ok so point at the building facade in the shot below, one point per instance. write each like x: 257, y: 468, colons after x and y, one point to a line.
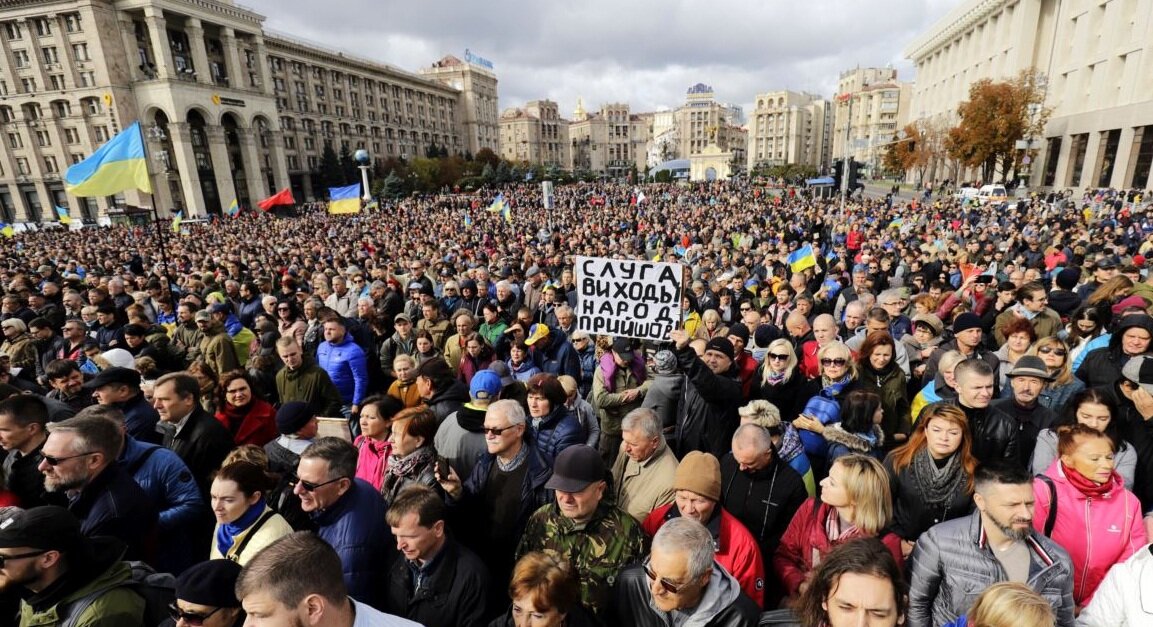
x: 477, y: 84
x: 789, y: 127
x: 535, y: 134
x: 702, y: 121
x: 1093, y: 58
x: 230, y: 111
x: 870, y: 107
x: 611, y: 142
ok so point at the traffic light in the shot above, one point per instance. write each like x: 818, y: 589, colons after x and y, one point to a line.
x: 854, y: 174
x: 837, y: 170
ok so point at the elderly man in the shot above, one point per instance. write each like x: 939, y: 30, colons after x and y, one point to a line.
x: 455, y: 345
x: 698, y: 489
x: 1027, y: 379
x: 681, y: 581
x: 582, y: 526
x: 644, y: 468
x: 708, y: 416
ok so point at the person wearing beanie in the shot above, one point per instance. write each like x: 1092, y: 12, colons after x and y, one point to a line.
x: 707, y: 417
x: 697, y: 486
x: 743, y: 360
x: 968, y: 336
x: 297, y: 426
x: 1062, y: 298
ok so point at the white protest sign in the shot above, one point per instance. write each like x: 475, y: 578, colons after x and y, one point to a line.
x: 637, y: 299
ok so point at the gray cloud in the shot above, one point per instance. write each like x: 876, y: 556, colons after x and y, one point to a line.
x: 644, y: 52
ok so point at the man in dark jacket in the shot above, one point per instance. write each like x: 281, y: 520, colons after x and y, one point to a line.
x: 711, y: 596
x: 439, y: 388
x: 434, y: 580
x: 302, y: 380
x: 1132, y: 395
x: 120, y: 388
x: 968, y: 336
x: 1027, y: 378
x: 80, y: 460
x: 23, y: 420
x: 708, y: 416
x: 67, y: 384
x: 195, y: 435
x: 995, y: 433
x: 551, y: 351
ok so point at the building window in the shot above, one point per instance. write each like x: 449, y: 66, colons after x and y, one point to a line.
x: 50, y: 164
x: 72, y: 23
x: 50, y: 55
x: 80, y: 52
x: 14, y: 140
x: 290, y: 142
x: 87, y: 79
x: 101, y: 133
x: 77, y: 157
x: 43, y: 27
x: 57, y: 82
x: 20, y: 58
x: 22, y: 166
x: 43, y: 139
x: 92, y: 106
x: 12, y: 30
x: 29, y: 85
x: 72, y: 136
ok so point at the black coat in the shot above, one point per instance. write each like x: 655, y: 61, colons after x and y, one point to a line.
x: 1102, y: 366
x: 708, y: 414
x: 27, y: 482
x: 764, y: 501
x: 632, y: 605
x: 203, y: 444
x: 454, y: 594
x: 912, y: 515
x: 1139, y: 432
x: 786, y: 397
x: 996, y: 435
x: 113, y: 504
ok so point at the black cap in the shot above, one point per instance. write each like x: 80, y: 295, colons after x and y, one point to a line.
x: 49, y: 528
x: 292, y: 416
x: 740, y: 330
x: 623, y: 347
x: 722, y: 345
x: 576, y: 468
x: 211, y: 583
x: 114, y: 375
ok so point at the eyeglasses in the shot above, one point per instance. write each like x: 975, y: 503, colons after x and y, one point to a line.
x: 746, y: 308
x: 668, y: 586
x: 313, y: 487
x: 838, y: 361
x: 56, y: 461
x: 496, y: 430
x: 4, y: 558
x: 1060, y: 352
x: 190, y: 618
x: 778, y: 357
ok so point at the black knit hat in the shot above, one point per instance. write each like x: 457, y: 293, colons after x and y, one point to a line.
x: 292, y: 416
x: 211, y: 583
x: 721, y: 345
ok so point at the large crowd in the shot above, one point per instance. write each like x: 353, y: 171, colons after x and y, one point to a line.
x: 921, y: 411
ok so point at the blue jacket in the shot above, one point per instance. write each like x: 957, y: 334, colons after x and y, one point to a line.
x: 354, y: 525
x: 169, y: 484
x: 556, y: 432
x: 523, y: 372
x: 559, y: 358
x: 140, y: 418
x: 347, y: 367
x: 248, y: 311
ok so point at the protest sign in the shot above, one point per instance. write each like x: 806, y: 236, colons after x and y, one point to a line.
x: 637, y: 299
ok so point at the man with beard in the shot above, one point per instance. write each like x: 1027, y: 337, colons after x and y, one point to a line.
x: 67, y: 384
x: 995, y: 543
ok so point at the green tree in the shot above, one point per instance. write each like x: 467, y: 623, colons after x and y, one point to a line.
x: 487, y: 156
x: 392, y: 186
x: 349, y: 172
x: 328, y: 172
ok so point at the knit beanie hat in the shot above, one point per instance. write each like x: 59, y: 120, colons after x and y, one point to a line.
x: 1067, y: 279
x: 966, y: 321
x: 292, y: 416
x: 699, y: 473
x: 721, y: 345
x: 665, y: 362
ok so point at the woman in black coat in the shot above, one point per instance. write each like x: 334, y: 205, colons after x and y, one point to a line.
x: 778, y: 380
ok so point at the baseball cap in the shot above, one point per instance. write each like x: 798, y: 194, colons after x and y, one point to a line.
x: 623, y: 347
x: 576, y: 468
x: 501, y: 370
x: 48, y: 528
x: 536, y: 333
x: 485, y: 385
x: 1139, y: 370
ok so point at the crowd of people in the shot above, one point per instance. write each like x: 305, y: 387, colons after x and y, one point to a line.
x: 925, y: 412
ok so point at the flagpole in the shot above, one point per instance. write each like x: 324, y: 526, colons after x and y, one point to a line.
x: 156, y: 133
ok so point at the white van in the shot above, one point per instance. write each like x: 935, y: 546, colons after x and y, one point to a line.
x: 994, y: 194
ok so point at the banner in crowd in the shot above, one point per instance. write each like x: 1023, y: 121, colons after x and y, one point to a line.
x: 344, y: 199
x: 637, y: 299
x: 116, y: 166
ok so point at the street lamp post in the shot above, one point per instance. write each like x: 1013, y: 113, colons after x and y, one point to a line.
x: 362, y: 158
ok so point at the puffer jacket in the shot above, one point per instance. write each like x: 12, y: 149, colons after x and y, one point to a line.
x: 707, y: 416
x: 352, y: 525
x: 1125, y: 597
x: 165, y: 478
x: 1097, y: 533
x: 953, y: 564
x: 347, y: 367
x: 557, y: 431
x: 1102, y: 366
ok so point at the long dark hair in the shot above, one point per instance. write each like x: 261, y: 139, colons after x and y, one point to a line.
x: 863, y: 556
x: 1068, y: 417
x: 858, y: 409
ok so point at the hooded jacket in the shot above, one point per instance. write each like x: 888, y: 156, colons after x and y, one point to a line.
x: 217, y: 349
x: 1125, y: 597
x: 447, y: 399
x: 722, y: 605
x: 1102, y: 366
x: 117, y: 606
x: 460, y: 438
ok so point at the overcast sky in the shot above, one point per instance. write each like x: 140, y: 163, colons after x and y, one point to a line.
x: 643, y: 52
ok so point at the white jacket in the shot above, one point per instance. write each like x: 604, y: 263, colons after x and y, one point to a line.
x: 1125, y: 596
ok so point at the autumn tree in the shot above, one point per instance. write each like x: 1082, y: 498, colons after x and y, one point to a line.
x: 993, y: 119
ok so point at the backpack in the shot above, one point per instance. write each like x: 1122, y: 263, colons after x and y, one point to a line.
x: 157, y: 589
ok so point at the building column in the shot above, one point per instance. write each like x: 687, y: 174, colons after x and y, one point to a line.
x: 237, y: 76
x: 279, y: 159
x: 158, y: 36
x: 185, y: 161
x: 1063, y: 161
x: 195, y: 31
x: 1092, y: 151
x: 131, y: 48
x: 263, y: 74
x: 249, y: 151
x: 1123, y: 160
x: 219, y: 150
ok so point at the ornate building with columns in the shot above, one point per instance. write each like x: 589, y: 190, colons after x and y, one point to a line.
x: 229, y: 109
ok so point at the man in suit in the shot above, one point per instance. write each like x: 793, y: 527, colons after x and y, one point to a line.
x: 198, y: 438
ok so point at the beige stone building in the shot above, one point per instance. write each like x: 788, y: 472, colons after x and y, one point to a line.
x: 1095, y: 61
x: 477, y: 84
x: 535, y: 134
x: 702, y: 120
x: 612, y: 141
x: 230, y: 110
x: 790, y: 127
x: 869, y: 109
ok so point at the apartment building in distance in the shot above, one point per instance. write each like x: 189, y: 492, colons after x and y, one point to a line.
x: 535, y: 134
x: 789, y: 127
x: 612, y: 141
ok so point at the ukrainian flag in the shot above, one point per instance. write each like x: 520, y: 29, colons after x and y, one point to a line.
x: 344, y: 199
x: 6, y: 230
x: 233, y: 209
x: 802, y: 258
x: 177, y: 218
x: 62, y: 213
x: 506, y: 213
x: 467, y: 220
x: 497, y: 205
x: 116, y: 166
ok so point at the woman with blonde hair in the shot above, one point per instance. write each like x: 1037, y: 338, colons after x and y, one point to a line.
x: 711, y: 326
x: 1008, y: 604
x: 943, y: 387
x: 778, y: 380
x: 1111, y: 291
x: 823, y: 397
x: 1055, y: 354
x: 855, y: 502
x: 932, y: 474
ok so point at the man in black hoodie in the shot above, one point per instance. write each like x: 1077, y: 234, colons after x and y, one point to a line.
x: 1062, y: 299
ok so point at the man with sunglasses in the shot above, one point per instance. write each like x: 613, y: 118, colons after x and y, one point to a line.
x: 680, y: 581
x: 206, y: 596
x: 62, y: 576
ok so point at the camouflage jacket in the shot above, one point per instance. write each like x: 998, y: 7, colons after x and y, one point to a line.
x: 598, y: 550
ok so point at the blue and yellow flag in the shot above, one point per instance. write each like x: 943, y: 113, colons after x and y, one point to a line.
x: 63, y: 215
x: 467, y: 220
x: 506, y: 212
x: 177, y: 218
x: 497, y: 205
x: 116, y: 166
x: 6, y: 230
x: 344, y: 199
x: 897, y: 223
x: 233, y: 209
x: 802, y: 258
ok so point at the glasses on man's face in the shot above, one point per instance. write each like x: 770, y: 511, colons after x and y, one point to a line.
x: 779, y: 356
x: 56, y: 461
x: 190, y: 618
x: 4, y: 558
x: 496, y: 431
x: 746, y: 308
x: 1060, y: 352
x: 313, y: 487
x: 835, y: 361
x: 666, y: 585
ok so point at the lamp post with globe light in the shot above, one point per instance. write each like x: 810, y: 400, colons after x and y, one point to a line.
x: 361, y: 158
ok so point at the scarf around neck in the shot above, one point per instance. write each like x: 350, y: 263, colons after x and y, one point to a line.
x: 227, y: 532
x: 936, y: 485
x: 1087, y: 486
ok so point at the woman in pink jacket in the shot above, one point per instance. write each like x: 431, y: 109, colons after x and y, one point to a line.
x: 1096, y: 520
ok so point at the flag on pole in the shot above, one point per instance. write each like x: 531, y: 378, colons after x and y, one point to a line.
x: 62, y: 213
x: 506, y: 213
x: 6, y: 230
x: 283, y: 197
x: 177, y: 218
x: 233, y: 209
x: 497, y: 205
x: 116, y: 166
x: 344, y: 199
x: 802, y: 258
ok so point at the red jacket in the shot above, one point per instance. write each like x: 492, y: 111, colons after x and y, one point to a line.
x: 746, y: 371
x: 257, y: 426
x: 737, y: 550
x: 805, y: 541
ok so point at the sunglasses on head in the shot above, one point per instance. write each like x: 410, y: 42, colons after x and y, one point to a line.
x: 836, y: 361
x: 190, y: 618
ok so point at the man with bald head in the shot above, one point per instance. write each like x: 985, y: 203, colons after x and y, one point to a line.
x: 854, y: 318
x: 799, y: 329
x: 824, y: 332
